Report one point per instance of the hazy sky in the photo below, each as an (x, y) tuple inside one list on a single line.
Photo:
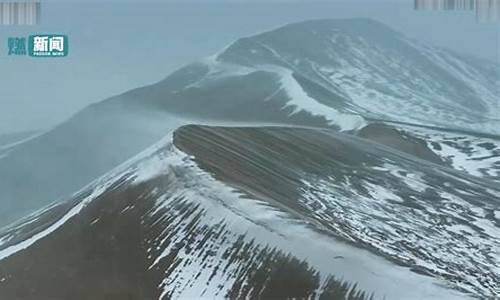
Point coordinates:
[(116, 46)]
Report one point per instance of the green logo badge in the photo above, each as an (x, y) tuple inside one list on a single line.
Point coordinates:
[(48, 45)]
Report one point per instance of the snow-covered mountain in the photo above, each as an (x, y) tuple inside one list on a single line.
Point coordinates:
[(268, 212), (366, 68), (327, 73), (352, 163)]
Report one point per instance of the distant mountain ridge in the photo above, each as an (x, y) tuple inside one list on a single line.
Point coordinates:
[(372, 70)]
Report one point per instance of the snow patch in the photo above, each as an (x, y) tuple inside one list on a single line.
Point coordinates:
[(300, 100), (71, 213), (269, 226)]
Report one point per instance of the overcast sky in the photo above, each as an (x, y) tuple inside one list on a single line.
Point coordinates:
[(116, 46)]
